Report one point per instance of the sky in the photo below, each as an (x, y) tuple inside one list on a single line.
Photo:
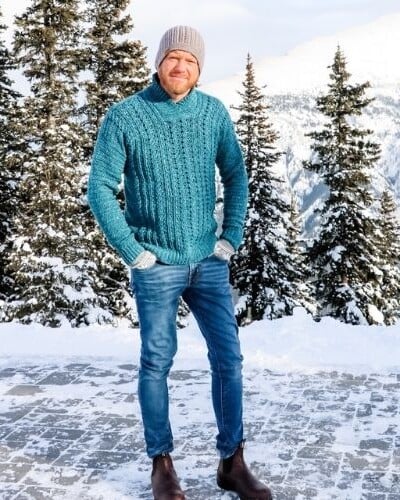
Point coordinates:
[(233, 28)]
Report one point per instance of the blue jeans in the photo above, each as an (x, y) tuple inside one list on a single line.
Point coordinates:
[(205, 288)]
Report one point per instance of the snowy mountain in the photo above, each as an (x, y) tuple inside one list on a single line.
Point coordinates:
[(295, 80)]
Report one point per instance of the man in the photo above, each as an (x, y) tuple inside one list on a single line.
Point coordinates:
[(166, 140)]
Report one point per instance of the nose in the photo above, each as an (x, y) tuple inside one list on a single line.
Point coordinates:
[(180, 65)]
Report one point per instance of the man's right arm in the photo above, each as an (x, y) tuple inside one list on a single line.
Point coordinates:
[(108, 163)]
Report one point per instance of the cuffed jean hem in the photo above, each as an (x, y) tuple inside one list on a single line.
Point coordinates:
[(240, 444), (161, 451)]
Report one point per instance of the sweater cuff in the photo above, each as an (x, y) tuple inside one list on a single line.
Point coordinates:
[(130, 250), (233, 236)]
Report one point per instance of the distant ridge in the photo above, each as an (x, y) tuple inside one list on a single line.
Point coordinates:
[(372, 52), (292, 83)]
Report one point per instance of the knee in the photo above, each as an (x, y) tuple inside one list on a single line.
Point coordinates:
[(155, 369), (156, 359), (227, 366)]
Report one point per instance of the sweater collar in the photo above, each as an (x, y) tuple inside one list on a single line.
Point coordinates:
[(158, 95)]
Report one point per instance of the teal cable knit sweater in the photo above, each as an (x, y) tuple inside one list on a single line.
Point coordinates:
[(167, 152)]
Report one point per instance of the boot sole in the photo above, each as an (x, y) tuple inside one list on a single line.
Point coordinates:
[(227, 488)]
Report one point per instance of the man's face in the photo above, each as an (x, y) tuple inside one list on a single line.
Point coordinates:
[(178, 73)]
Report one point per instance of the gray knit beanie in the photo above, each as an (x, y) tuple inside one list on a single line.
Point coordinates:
[(181, 38)]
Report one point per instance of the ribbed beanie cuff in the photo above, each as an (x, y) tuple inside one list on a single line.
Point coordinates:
[(181, 38)]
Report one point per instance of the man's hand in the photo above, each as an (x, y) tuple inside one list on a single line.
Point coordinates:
[(223, 250), (145, 260)]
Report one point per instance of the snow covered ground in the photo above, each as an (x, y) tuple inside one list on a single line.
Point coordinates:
[(322, 412), (295, 343)]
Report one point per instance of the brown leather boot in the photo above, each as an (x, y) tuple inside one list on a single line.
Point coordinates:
[(234, 475), (164, 480)]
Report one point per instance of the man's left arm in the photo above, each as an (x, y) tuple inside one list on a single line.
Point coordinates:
[(234, 180)]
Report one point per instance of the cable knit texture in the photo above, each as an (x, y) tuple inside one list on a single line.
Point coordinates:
[(167, 152)]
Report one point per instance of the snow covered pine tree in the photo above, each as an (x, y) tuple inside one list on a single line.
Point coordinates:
[(117, 68), (263, 270), (389, 254), (49, 260), (343, 254), (10, 148)]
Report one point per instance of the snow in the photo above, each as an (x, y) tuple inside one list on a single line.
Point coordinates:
[(336, 253), (296, 346), (291, 344), (375, 314)]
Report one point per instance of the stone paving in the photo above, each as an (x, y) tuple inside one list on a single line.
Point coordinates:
[(73, 431)]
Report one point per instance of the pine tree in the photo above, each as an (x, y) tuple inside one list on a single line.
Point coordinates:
[(296, 249), (262, 270), (117, 68), (10, 147), (389, 253), (49, 260), (343, 254)]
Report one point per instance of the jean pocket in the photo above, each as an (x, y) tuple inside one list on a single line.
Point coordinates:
[(145, 269)]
